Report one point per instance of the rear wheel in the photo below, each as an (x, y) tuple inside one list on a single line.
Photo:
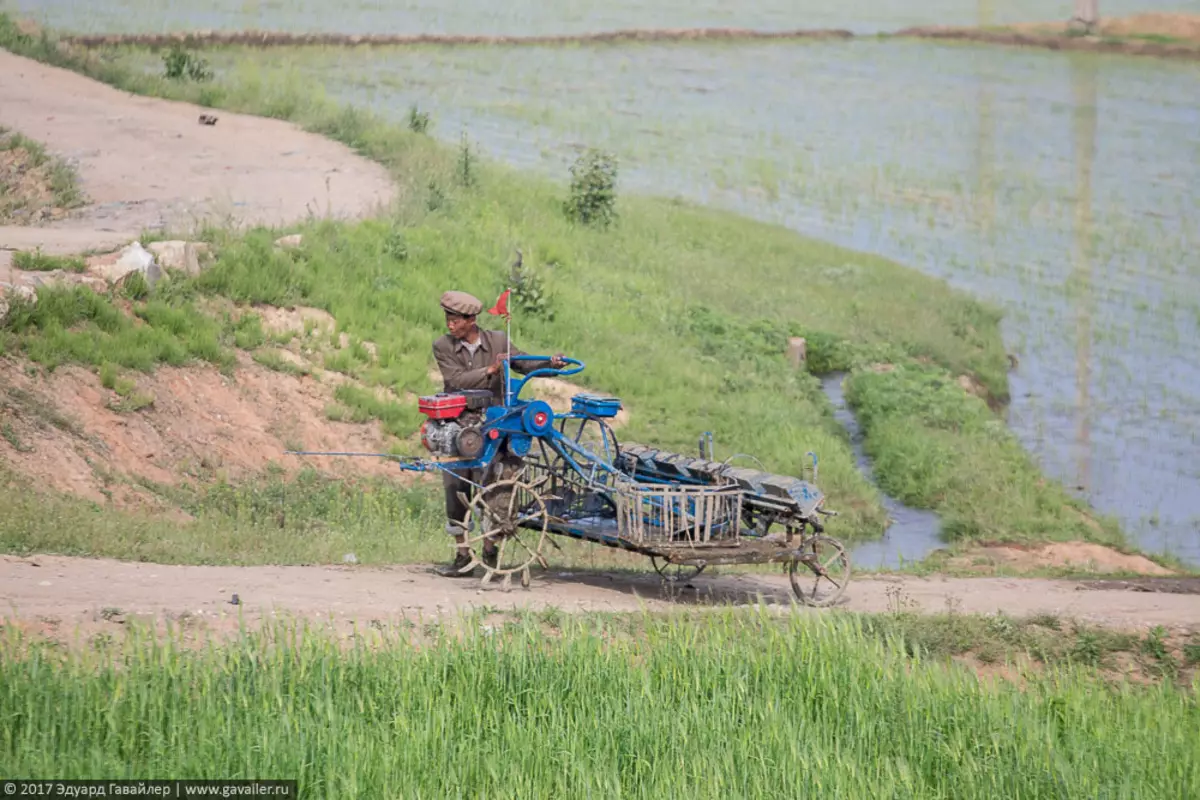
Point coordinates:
[(820, 575)]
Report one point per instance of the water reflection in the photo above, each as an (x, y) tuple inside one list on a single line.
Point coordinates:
[(1083, 85)]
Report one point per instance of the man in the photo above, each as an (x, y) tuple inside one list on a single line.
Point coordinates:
[(472, 358)]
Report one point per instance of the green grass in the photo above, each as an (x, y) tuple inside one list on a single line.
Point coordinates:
[(554, 706), (1043, 640), (41, 171), (936, 446), (77, 325), (684, 312), (37, 261), (303, 520)]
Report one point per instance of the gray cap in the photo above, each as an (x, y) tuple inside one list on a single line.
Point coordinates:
[(461, 303)]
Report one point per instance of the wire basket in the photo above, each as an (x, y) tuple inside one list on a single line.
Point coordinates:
[(670, 514)]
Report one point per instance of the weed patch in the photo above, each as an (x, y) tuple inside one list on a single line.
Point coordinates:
[(37, 261), (34, 186)]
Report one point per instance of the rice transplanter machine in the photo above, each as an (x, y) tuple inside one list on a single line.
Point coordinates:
[(552, 474)]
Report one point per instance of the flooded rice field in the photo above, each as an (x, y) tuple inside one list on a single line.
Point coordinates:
[(1062, 187), (528, 17)]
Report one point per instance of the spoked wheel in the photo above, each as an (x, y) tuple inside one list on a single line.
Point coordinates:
[(676, 574), (820, 575), (511, 516)]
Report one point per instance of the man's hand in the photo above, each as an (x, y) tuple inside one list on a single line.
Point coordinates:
[(497, 364), (557, 362)]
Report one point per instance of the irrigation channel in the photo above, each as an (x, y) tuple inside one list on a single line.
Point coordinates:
[(912, 533)]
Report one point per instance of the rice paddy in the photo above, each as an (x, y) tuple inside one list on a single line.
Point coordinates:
[(1060, 186)]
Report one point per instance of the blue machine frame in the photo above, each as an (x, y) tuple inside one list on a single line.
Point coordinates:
[(763, 499)]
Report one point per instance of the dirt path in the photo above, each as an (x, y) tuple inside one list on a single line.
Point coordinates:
[(147, 163), (76, 591)]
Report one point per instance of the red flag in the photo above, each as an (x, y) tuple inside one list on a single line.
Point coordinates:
[(501, 307)]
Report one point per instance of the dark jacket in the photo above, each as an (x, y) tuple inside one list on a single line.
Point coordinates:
[(462, 370)]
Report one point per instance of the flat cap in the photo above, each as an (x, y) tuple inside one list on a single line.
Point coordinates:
[(461, 303)]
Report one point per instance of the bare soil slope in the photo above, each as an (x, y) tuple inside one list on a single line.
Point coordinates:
[(146, 163)]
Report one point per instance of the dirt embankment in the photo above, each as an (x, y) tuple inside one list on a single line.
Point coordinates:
[(258, 38), (1155, 34), (70, 434)]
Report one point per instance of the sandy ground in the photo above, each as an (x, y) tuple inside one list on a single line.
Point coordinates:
[(146, 163), (76, 592)]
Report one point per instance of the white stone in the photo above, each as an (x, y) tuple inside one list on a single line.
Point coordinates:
[(133, 258)]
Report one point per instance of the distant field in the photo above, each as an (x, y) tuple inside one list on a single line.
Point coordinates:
[(532, 16)]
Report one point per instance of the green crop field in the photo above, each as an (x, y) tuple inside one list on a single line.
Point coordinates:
[(741, 705)]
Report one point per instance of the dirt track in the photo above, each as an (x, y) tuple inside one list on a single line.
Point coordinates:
[(76, 591), (146, 163)]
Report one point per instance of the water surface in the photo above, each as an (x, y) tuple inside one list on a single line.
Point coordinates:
[(525, 17)]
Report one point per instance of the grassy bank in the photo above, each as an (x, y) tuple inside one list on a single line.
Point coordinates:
[(937, 446), (34, 186), (617, 707), (684, 312)]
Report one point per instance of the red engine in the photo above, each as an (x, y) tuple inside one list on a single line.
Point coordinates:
[(447, 432), (443, 406)]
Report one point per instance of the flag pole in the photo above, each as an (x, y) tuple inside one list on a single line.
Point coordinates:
[(508, 361)]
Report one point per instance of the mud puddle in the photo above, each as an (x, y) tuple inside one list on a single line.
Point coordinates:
[(913, 532)]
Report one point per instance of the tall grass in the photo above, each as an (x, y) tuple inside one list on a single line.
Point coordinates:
[(743, 706)]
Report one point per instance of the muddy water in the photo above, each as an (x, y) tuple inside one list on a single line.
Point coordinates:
[(912, 533), (540, 17)]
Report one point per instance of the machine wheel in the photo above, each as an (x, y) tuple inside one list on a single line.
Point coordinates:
[(826, 562), (511, 513), (677, 574)]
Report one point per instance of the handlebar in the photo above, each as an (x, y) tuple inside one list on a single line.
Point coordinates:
[(547, 370), (515, 386)]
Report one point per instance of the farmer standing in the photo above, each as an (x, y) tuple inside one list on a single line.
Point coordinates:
[(472, 358)]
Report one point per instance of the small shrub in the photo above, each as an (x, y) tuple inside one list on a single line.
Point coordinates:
[(179, 65), (466, 163), (418, 121), (436, 198), (528, 292), (593, 189), (395, 245)]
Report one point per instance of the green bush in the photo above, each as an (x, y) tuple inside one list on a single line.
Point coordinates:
[(593, 189)]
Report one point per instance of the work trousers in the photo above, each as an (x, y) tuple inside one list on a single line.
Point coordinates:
[(502, 468)]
